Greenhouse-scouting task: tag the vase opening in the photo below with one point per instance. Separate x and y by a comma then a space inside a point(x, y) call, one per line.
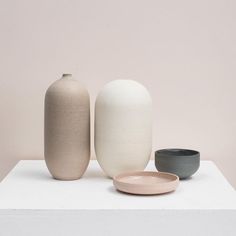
point(67, 75)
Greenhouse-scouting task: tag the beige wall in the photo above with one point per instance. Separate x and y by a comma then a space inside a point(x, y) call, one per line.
point(183, 51)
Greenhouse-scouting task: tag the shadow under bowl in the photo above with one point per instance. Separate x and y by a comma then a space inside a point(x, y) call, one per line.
point(181, 162)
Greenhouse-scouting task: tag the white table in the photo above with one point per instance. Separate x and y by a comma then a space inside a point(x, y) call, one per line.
point(33, 203)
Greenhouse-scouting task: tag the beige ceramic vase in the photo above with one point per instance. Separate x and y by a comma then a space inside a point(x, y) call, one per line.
point(67, 129)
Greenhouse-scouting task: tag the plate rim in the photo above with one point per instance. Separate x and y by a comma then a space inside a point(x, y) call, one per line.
point(148, 187)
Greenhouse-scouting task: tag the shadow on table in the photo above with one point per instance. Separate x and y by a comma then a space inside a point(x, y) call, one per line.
point(113, 190)
point(45, 175)
point(95, 174)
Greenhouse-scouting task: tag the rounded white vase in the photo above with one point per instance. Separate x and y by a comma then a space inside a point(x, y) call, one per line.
point(123, 127)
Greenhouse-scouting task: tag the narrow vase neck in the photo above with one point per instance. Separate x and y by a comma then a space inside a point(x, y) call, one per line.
point(67, 76)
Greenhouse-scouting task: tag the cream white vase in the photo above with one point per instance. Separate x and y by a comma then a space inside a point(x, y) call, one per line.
point(67, 129)
point(123, 127)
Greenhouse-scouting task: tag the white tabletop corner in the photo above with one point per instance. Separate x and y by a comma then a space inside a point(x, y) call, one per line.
point(30, 186)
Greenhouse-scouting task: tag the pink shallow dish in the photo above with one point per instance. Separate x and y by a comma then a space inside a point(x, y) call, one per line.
point(146, 182)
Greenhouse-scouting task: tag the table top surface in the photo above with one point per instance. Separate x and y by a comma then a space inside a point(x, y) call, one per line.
point(30, 186)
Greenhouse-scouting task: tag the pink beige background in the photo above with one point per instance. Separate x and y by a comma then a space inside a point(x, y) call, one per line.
point(183, 51)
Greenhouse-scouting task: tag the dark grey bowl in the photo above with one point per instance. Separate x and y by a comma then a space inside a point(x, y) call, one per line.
point(182, 162)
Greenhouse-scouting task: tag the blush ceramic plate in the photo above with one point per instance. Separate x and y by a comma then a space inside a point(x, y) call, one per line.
point(146, 182)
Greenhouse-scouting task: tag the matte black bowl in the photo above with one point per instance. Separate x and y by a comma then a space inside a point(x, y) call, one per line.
point(182, 162)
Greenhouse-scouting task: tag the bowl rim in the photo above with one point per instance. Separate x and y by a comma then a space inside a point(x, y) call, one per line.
point(171, 152)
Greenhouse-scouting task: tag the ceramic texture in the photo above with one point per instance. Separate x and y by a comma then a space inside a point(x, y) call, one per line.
point(146, 182)
point(123, 127)
point(67, 129)
point(182, 162)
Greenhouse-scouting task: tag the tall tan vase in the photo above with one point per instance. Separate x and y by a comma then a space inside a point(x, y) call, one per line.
point(67, 129)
